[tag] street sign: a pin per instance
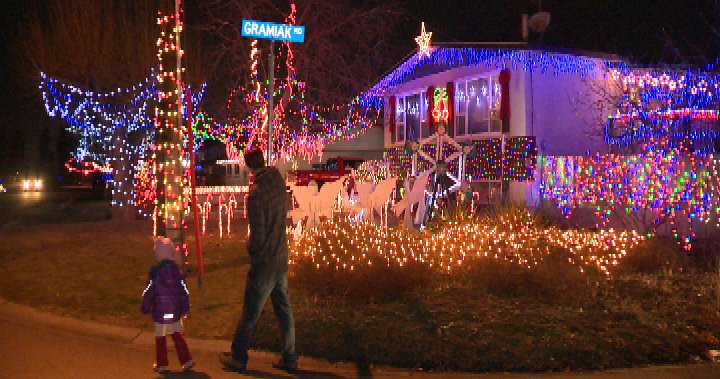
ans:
(270, 30)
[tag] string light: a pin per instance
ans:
(667, 107)
(514, 237)
(449, 57)
(115, 131)
(677, 189)
(488, 162)
(169, 158)
(423, 41)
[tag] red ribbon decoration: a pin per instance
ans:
(430, 96)
(393, 114)
(504, 79)
(450, 88)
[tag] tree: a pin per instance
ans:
(347, 46)
(99, 46)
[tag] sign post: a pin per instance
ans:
(271, 102)
(273, 32)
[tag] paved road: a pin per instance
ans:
(39, 345)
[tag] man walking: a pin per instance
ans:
(268, 275)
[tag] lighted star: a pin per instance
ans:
(423, 41)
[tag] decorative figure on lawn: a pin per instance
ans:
(373, 198)
(443, 182)
(314, 203)
(414, 194)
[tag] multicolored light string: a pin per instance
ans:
(678, 190)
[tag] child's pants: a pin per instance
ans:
(176, 332)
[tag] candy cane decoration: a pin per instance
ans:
(206, 209)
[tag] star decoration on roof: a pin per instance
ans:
(423, 41)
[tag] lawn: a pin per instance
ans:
(489, 315)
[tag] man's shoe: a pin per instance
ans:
(188, 365)
(230, 362)
(159, 369)
(289, 367)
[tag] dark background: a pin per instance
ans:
(644, 31)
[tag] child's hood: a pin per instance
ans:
(165, 249)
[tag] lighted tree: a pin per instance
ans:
(108, 50)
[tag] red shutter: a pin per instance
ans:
(450, 88)
(504, 80)
(430, 95)
(392, 105)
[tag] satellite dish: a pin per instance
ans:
(539, 22)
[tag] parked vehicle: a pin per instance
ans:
(329, 171)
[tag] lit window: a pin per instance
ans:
(400, 119)
(477, 105)
(413, 116)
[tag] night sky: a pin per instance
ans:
(644, 31)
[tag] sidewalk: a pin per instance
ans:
(79, 349)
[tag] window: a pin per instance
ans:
(496, 97)
(477, 105)
(400, 120)
(460, 108)
(410, 117)
(424, 128)
(413, 116)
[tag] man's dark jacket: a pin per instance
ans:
(267, 211)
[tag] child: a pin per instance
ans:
(167, 297)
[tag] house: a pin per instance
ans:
(510, 102)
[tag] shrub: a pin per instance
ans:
(654, 256)
(377, 283)
(553, 281)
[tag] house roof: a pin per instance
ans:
(514, 55)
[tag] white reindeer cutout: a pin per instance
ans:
(372, 198)
(414, 195)
(312, 204)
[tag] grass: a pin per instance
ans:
(489, 316)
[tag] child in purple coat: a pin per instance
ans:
(166, 296)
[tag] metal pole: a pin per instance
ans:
(271, 101)
(194, 202)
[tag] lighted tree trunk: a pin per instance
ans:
(169, 154)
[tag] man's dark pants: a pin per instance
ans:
(261, 284)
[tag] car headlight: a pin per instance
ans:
(26, 185)
(38, 184)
